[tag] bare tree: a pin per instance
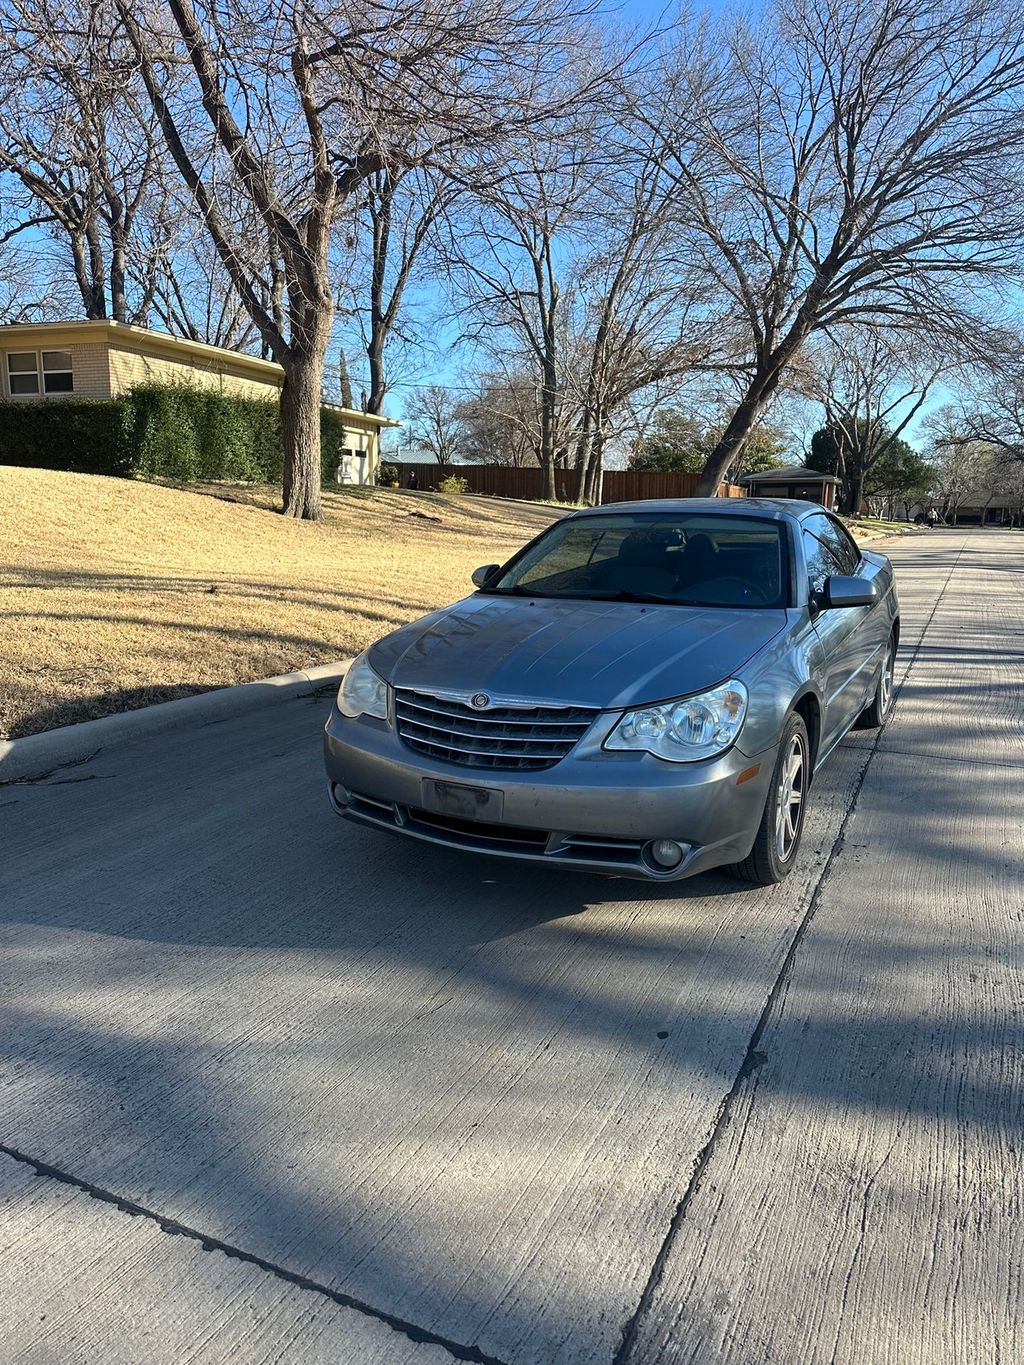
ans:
(501, 422)
(960, 467)
(513, 250)
(433, 418)
(872, 385)
(22, 292)
(402, 208)
(310, 103)
(641, 315)
(75, 139)
(849, 162)
(179, 272)
(994, 412)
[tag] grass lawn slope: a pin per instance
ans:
(115, 594)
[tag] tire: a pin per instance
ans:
(782, 825)
(879, 709)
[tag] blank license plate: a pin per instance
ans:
(467, 803)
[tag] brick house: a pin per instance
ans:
(48, 361)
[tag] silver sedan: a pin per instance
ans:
(644, 690)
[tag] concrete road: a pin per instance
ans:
(276, 1089)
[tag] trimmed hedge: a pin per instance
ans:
(89, 438)
(158, 431)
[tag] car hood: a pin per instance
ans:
(598, 654)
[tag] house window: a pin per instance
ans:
(23, 372)
(34, 372)
(57, 374)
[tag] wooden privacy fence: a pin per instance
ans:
(504, 481)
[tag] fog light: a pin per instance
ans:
(665, 852)
(342, 795)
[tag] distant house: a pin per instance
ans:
(793, 481)
(50, 361)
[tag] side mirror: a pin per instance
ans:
(843, 591)
(481, 575)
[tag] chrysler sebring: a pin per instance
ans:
(645, 690)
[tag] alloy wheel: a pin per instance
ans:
(885, 687)
(792, 789)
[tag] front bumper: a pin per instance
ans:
(594, 810)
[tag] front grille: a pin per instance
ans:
(528, 738)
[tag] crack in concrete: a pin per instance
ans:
(57, 768)
(754, 1058)
(419, 1335)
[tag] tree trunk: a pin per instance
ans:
(300, 432)
(762, 386)
(595, 468)
(378, 385)
(93, 298)
(583, 455)
(732, 440)
(547, 438)
(118, 277)
(344, 383)
(856, 492)
(97, 268)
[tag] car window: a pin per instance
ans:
(712, 560)
(838, 541)
(821, 562)
(846, 536)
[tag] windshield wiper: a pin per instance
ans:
(516, 590)
(651, 598)
(624, 596)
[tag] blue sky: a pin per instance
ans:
(442, 359)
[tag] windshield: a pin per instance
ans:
(700, 559)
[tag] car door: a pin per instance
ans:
(844, 632)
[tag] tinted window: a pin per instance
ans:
(821, 562)
(699, 560)
(835, 537)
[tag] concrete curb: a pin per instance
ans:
(36, 757)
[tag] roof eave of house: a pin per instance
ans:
(789, 476)
(268, 370)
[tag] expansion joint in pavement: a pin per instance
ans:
(419, 1335)
(754, 1058)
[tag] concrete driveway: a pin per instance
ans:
(276, 1089)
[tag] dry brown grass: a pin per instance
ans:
(115, 594)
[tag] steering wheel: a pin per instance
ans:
(762, 598)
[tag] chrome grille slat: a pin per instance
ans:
(502, 737)
(490, 737)
(500, 715)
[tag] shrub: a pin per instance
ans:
(83, 437)
(160, 431)
(388, 474)
(186, 434)
(453, 484)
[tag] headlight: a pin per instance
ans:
(362, 691)
(684, 731)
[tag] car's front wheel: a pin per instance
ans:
(782, 824)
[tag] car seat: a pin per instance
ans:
(699, 560)
(641, 565)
